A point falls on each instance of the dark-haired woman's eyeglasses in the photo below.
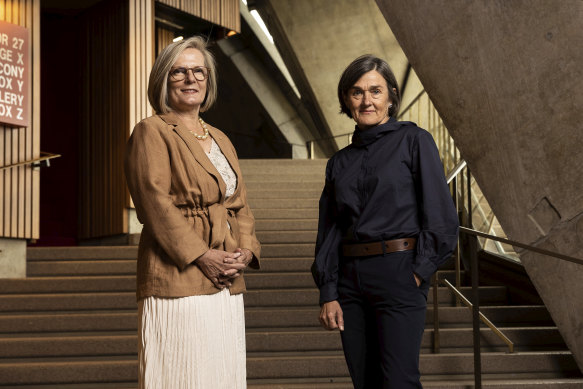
(200, 73)
(358, 94)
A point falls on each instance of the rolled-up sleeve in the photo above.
(437, 215)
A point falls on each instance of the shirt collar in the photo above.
(365, 137)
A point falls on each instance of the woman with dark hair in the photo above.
(198, 235)
(387, 222)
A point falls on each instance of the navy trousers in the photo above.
(384, 319)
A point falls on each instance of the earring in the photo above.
(391, 105)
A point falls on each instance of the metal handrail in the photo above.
(401, 113)
(568, 258)
(44, 157)
(472, 239)
(455, 171)
(483, 317)
(329, 137)
(310, 143)
(477, 316)
(452, 175)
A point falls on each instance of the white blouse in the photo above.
(222, 165)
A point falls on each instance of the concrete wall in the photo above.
(506, 77)
(12, 258)
(269, 95)
(318, 39)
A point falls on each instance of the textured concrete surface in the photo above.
(270, 96)
(318, 39)
(12, 258)
(506, 77)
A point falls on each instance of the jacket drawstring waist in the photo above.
(221, 220)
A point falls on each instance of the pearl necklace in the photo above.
(206, 130)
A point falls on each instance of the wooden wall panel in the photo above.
(19, 186)
(141, 47)
(141, 54)
(222, 12)
(105, 119)
(163, 38)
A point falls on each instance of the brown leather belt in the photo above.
(376, 248)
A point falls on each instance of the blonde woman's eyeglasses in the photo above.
(199, 73)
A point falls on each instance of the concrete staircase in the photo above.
(72, 322)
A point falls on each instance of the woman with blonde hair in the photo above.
(198, 234)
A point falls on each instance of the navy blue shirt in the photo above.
(388, 184)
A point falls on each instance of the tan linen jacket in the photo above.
(180, 199)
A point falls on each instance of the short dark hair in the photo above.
(358, 67)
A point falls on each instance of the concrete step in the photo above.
(450, 274)
(286, 236)
(256, 279)
(292, 365)
(277, 193)
(299, 264)
(256, 317)
(505, 315)
(290, 225)
(80, 268)
(283, 203)
(284, 184)
(315, 177)
(268, 250)
(458, 340)
(131, 252)
(489, 295)
(530, 364)
(70, 345)
(285, 213)
(84, 284)
(67, 302)
(450, 317)
(81, 253)
(69, 321)
(128, 267)
(68, 284)
(282, 250)
(275, 165)
(524, 339)
(288, 280)
(345, 383)
(115, 254)
(126, 320)
(69, 371)
(267, 340)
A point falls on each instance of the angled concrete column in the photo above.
(273, 100)
(318, 39)
(506, 77)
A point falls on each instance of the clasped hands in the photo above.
(222, 267)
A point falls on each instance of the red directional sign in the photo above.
(14, 75)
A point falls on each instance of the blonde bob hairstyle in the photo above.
(158, 84)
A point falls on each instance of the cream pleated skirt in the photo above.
(193, 342)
